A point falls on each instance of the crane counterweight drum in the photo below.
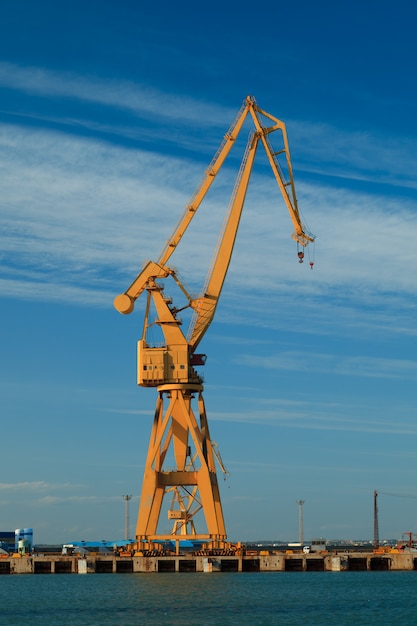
(123, 304)
(170, 366)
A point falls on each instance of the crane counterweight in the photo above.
(123, 304)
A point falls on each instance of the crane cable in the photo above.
(311, 254)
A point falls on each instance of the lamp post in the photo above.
(126, 499)
(300, 521)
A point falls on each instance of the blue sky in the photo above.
(109, 114)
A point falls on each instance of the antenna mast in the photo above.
(300, 520)
(376, 527)
(126, 498)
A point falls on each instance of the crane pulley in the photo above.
(171, 366)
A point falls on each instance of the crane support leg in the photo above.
(178, 440)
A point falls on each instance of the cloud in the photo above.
(36, 486)
(44, 493)
(335, 364)
(79, 215)
(76, 499)
(355, 155)
(311, 419)
(128, 411)
(140, 100)
(318, 148)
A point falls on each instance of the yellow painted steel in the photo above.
(176, 426)
(177, 436)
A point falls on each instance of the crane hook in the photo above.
(311, 264)
(300, 256)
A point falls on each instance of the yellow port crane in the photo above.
(170, 367)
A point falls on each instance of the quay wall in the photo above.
(107, 564)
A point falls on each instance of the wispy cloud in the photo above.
(140, 100)
(357, 155)
(335, 421)
(36, 486)
(45, 493)
(319, 148)
(76, 499)
(128, 411)
(80, 215)
(341, 365)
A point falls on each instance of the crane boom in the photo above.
(211, 172)
(300, 235)
(124, 303)
(205, 305)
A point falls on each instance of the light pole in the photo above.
(300, 521)
(126, 499)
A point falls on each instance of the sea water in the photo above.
(215, 599)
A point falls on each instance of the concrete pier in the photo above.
(277, 562)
